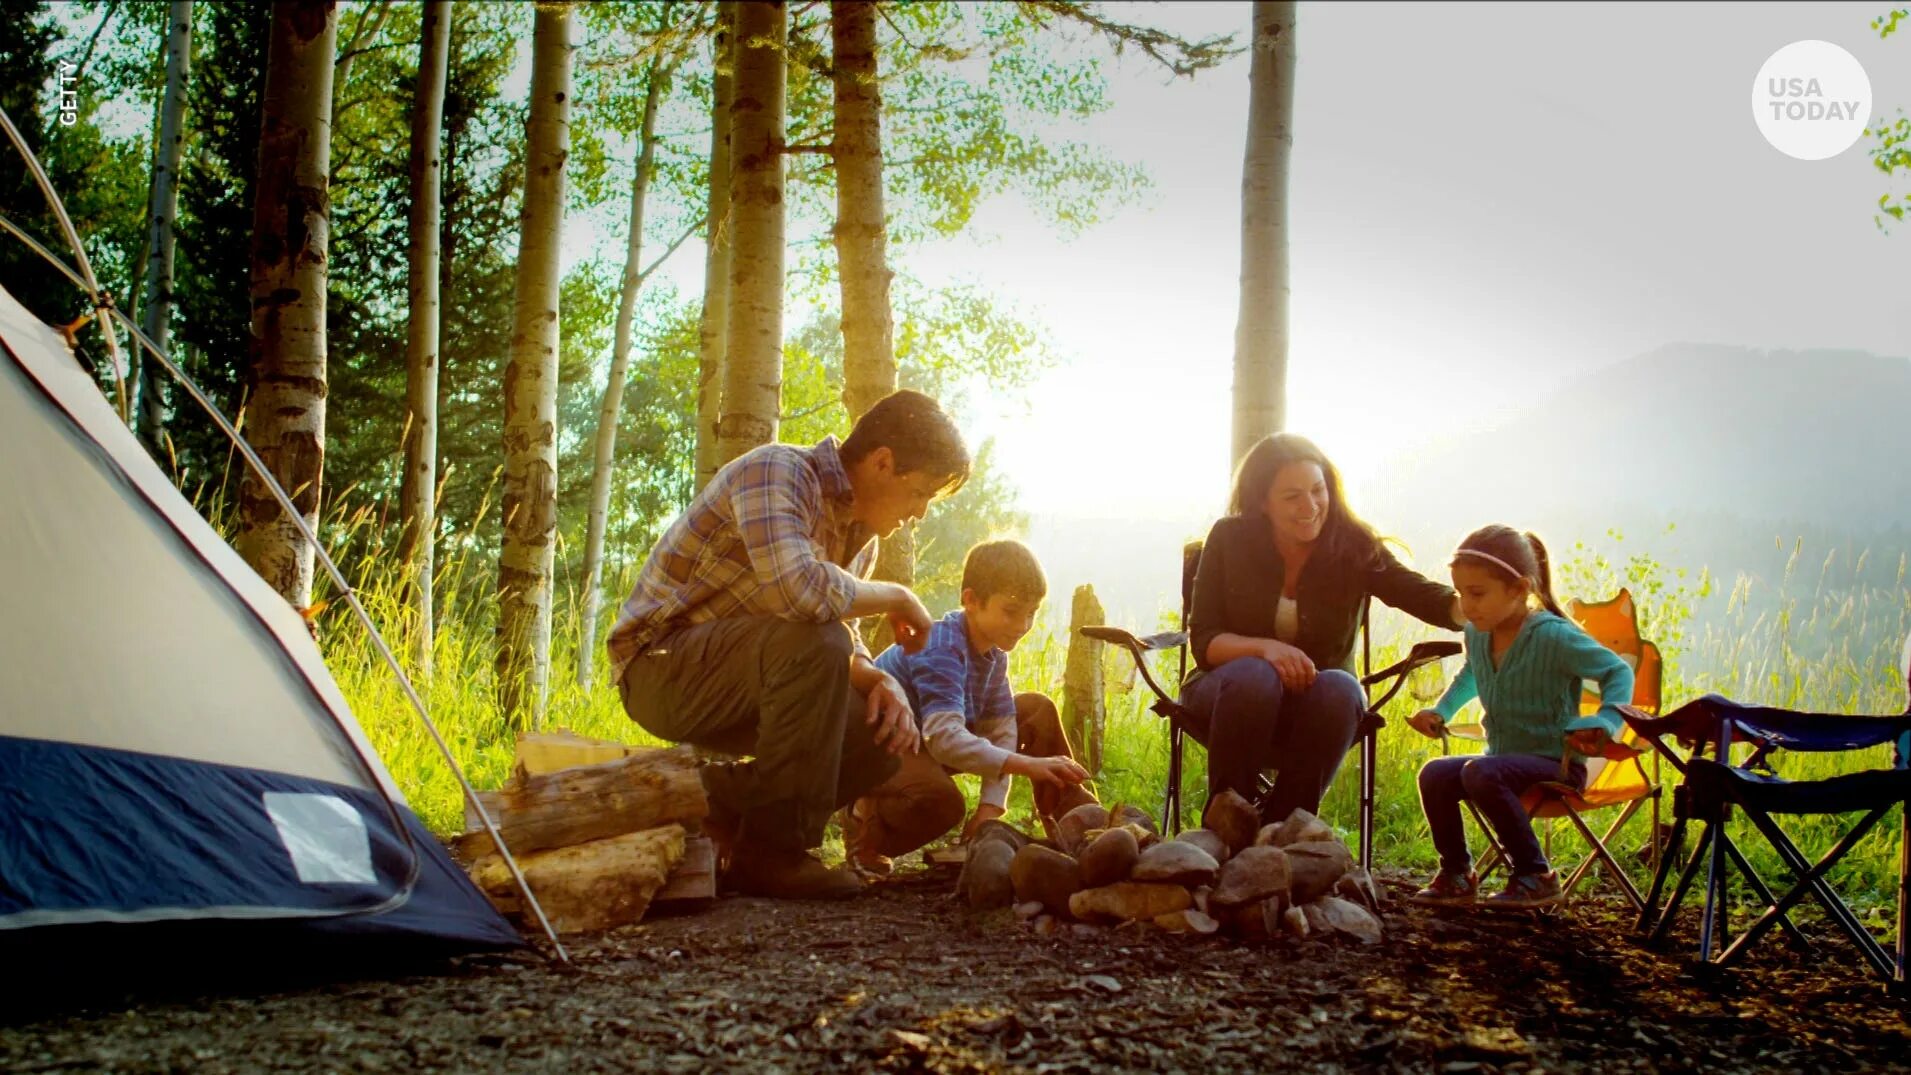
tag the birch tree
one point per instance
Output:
(1260, 334)
(285, 414)
(753, 355)
(713, 327)
(156, 309)
(604, 462)
(418, 487)
(529, 504)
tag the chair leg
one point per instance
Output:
(1369, 751)
(1171, 799)
(1759, 888)
(1904, 892)
(1714, 880)
(1601, 854)
(1811, 883)
(1667, 856)
(1494, 855)
(1686, 877)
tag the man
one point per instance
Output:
(736, 636)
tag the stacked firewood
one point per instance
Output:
(1110, 866)
(600, 830)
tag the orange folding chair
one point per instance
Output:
(1619, 776)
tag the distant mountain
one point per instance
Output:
(1723, 439)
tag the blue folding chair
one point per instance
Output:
(1714, 786)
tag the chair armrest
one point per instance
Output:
(1141, 644)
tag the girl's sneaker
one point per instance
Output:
(1528, 892)
(1449, 888)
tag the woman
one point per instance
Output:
(1277, 602)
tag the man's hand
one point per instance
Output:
(983, 812)
(909, 620)
(890, 715)
(1295, 668)
(1590, 742)
(1056, 772)
(1427, 723)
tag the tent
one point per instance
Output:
(172, 748)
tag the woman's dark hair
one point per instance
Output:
(1514, 557)
(1343, 530)
(918, 433)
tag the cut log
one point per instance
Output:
(695, 878)
(645, 790)
(593, 886)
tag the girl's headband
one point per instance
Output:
(1491, 559)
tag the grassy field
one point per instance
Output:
(1854, 640)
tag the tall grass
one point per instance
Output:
(1812, 647)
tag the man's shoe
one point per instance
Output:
(779, 873)
(1449, 889)
(856, 852)
(1528, 892)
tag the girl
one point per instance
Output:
(1525, 662)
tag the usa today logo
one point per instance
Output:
(1810, 100)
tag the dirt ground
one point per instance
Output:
(902, 979)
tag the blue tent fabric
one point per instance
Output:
(100, 835)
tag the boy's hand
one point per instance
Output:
(983, 812)
(1590, 742)
(1427, 723)
(890, 715)
(1056, 772)
(909, 620)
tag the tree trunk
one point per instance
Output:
(1260, 335)
(753, 366)
(869, 353)
(659, 78)
(157, 306)
(714, 326)
(417, 495)
(1083, 718)
(291, 229)
(527, 560)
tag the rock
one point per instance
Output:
(1233, 819)
(1250, 876)
(1028, 910)
(1144, 838)
(1109, 858)
(1046, 876)
(1046, 925)
(1208, 841)
(1315, 867)
(1128, 900)
(1125, 814)
(985, 876)
(1264, 837)
(1201, 895)
(1250, 920)
(1299, 827)
(1294, 921)
(1358, 886)
(1085, 931)
(1316, 919)
(1187, 921)
(1178, 864)
(997, 829)
(1351, 918)
(1069, 830)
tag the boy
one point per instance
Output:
(971, 721)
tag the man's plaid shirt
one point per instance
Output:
(771, 535)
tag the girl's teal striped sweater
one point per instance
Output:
(1532, 697)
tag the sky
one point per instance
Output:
(1486, 201)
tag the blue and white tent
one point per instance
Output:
(172, 748)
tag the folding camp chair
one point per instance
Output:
(1618, 777)
(1715, 785)
(1177, 717)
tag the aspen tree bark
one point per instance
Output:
(753, 357)
(527, 560)
(1261, 330)
(291, 230)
